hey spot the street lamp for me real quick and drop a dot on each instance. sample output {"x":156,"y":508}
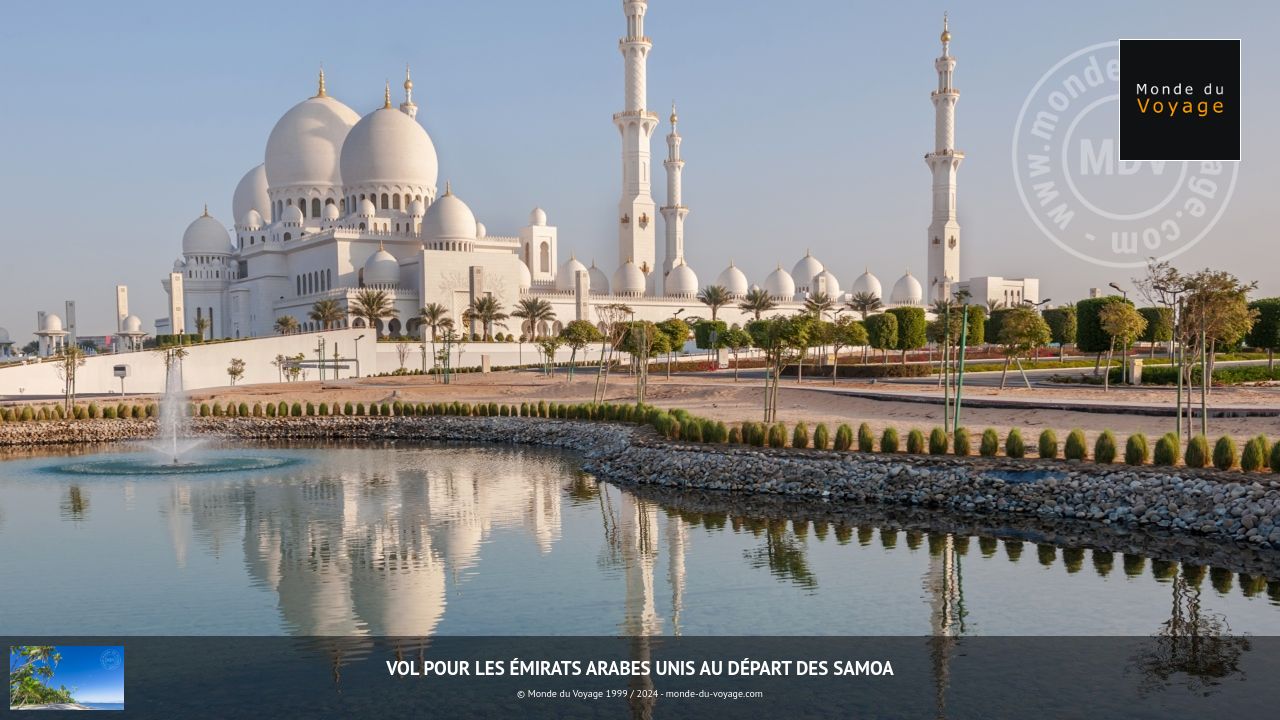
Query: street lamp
{"x":1123,"y":293}
{"x":358,"y":339}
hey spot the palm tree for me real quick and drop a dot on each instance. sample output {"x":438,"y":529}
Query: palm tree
{"x":533,"y":312}
{"x":994,"y":304}
{"x":757,"y":302}
{"x":488,"y":312}
{"x":714,"y":297}
{"x":286,"y":324}
{"x":432,"y":317}
{"x":326,"y":312}
{"x":202,"y":327}
{"x":864,"y":302}
{"x":373,"y":306}
{"x":818,"y":305}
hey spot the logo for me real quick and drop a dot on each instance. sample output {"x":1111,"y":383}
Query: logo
{"x":1083,"y":197}
{"x":110,"y":659}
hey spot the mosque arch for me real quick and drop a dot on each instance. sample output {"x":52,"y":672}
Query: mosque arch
{"x":393,"y":327}
{"x":544,"y":257}
{"x":386,"y":202}
{"x":288,"y":237}
{"x":358,"y":323}
{"x":395,"y":201}
{"x":315,"y":207}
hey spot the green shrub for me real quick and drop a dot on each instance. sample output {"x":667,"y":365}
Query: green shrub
{"x":1166,"y":452}
{"x":735,"y":435}
{"x":844,"y":437}
{"x":866,"y":439}
{"x":1047,"y":447}
{"x":282,"y":409}
{"x":1224,"y":453}
{"x":1274,"y":459}
{"x":231,"y":410}
{"x":757,"y":438}
{"x":937,"y":441}
{"x":311,"y":409}
{"x":693,"y":432}
{"x":219,"y":410}
{"x":348,"y":409}
{"x":108,"y":413}
{"x":821,"y":437}
{"x":1254,"y":457}
{"x":989,"y":445}
{"x":360,"y":408}
{"x":1104,"y":449}
{"x":1076,"y":448}
{"x":257,"y":409}
{"x":271,"y":409}
{"x":1014,"y":446}
{"x":778,"y":436}
{"x":1136,"y":450}
{"x":153,"y":410}
{"x":94,"y":411}
{"x":915,"y":441}
{"x":204,"y":410}
{"x":243,"y":410}
{"x":1197,"y":452}
{"x":542,"y":409}
{"x":1265,"y":445}
{"x":800,"y":436}
{"x":889,"y":440}
{"x":296,"y":409}
{"x":493,"y":409}
{"x":123,"y":411}
{"x":960,"y":443}
{"x":722,"y":433}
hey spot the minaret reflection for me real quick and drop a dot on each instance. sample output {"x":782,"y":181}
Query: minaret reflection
{"x":946,"y":611}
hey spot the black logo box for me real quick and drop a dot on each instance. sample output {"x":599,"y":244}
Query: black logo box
{"x":1186,"y":68}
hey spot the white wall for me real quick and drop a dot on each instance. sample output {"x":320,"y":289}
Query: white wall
{"x":500,"y":355}
{"x":204,"y":367}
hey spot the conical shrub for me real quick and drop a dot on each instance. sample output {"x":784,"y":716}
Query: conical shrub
{"x":1047,"y":447}
{"x":937,"y":441}
{"x":1197,"y":452}
{"x":1166,"y":452}
{"x":844,"y":438}
{"x":1254,"y":457}
{"x":1014,"y":446}
{"x":1224,"y":453}
{"x":915,"y":442}
{"x":1136,"y":450}
{"x":889,"y":441}
{"x":1075,"y":448}
{"x":961,"y":443}
{"x":800,"y":436}
{"x":778,"y":436}
{"x":989,"y":446}
{"x":821,"y":437}
{"x":866,"y":439}
{"x":1104,"y":449}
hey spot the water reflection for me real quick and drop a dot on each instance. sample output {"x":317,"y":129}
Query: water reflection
{"x":76,"y":505}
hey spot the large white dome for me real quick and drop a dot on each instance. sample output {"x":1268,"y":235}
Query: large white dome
{"x":733,"y":280}
{"x":389,"y":148}
{"x":868,"y":283}
{"x":628,"y":280}
{"x":206,"y":236}
{"x":305,"y":145}
{"x":381,"y":269}
{"x":805,"y":270}
{"x":833,"y":284}
{"x":568,"y":274}
{"x":526,"y":277}
{"x":907,"y":291}
{"x":449,"y":218}
{"x":779,"y":285}
{"x":682,"y":282}
{"x":599,"y":281}
{"x":251,"y":194}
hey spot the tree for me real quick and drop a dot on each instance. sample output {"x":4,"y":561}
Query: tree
{"x":912,"y":329}
{"x":714,"y":297}
{"x":706,"y":333}
{"x":845,"y":332}
{"x":1090,"y":337}
{"x":202,"y":326}
{"x":1062,"y":326}
{"x":402,"y":352}
{"x":864,"y":302}
{"x":1159,"y":326}
{"x":1022,"y":332}
{"x":69,"y":362}
{"x":977,"y":332}
{"x":757,"y":302}
{"x":677,"y":332}
{"x":779,"y":338}
{"x":548,"y":347}
{"x":326,"y":313}
{"x":818,"y":305}
{"x":736,"y":340}
{"x":995,"y":322}
{"x":532,"y":312}
{"x":432,"y":316}
{"x":286,"y":324}
{"x":374,"y":306}
{"x":994,"y":304}
{"x":487,"y":311}
{"x":577,"y":335}
{"x":882,"y":332}
{"x":1216,"y":314}
{"x":1123,"y":323}
{"x":235,"y":370}
{"x":611,"y":317}
{"x":30,"y":668}
{"x":1265,"y":333}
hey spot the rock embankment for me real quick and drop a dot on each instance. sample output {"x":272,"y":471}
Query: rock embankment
{"x":1228,"y":507}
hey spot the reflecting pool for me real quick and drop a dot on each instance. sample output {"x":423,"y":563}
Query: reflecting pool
{"x":411,"y":540}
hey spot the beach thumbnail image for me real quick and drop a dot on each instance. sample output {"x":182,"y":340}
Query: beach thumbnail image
{"x":66,"y":677}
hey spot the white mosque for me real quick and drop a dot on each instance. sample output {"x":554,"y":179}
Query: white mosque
{"x":343,"y":202}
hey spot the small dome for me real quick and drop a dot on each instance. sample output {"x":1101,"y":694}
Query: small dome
{"x":305,"y":144}
{"x":628,"y":280}
{"x":381,"y":269}
{"x":538,"y":217}
{"x":449,"y":218}
{"x":833,"y":285}
{"x":133,"y":324}
{"x":292,"y":215}
{"x":417,"y":208}
{"x":206,"y":236}
{"x":251,"y":194}
{"x":568,"y":274}
{"x":251,"y":220}
{"x":907,"y":291}
{"x":367,"y":208}
{"x":481,"y":230}
{"x":868,"y":283}
{"x":682,"y":282}
{"x":733,"y":280}
{"x":599,"y":281}
{"x":780,"y":285}
{"x":387,"y":147}
{"x":179,"y":264}
{"x":331,"y":212}
{"x":526,"y":277}
{"x":805,"y":270}
{"x":52,"y":324}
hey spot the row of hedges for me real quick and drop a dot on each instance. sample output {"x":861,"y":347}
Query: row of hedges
{"x":892,"y":370}
{"x":1225,"y":375}
{"x":92,"y":411}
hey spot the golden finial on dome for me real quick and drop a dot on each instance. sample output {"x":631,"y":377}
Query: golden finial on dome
{"x":320,"y":91}
{"x":408,"y":81}
{"x":206,"y":210}
{"x":674,"y":118}
{"x":386,"y":96}
{"x":946,"y":33}
{"x":448,"y":187}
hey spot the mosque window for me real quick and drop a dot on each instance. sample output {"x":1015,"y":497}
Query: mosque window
{"x":289,"y":202}
{"x":385,"y":201}
{"x":328,"y":282}
{"x":544,"y":258}
{"x":395,"y":202}
{"x":362,"y":226}
{"x":315,"y":207}
{"x":288,"y":237}
{"x":298,"y":282}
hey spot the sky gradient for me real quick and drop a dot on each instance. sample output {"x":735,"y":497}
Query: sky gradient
{"x":804,"y":126}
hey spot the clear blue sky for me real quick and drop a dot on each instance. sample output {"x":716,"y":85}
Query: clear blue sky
{"x":804,"y":125}
{"x":82,"y":671}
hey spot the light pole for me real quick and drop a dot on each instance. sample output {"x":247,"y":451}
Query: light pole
{"x":358,"y":339}
{"x":320,"y":355}
{"x":1176,"y":360}
{"x":1124,"y":351}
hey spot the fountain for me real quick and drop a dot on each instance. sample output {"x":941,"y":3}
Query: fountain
{"x":172,"y":425}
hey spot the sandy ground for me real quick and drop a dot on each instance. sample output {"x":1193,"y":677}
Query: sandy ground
{"x":812,"y":401}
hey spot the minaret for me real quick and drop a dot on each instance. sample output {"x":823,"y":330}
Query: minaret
{"x":674,"y":212}
{"x":407,"y":107}
{"x":636,"y":221}
{"x":944,"y":161}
